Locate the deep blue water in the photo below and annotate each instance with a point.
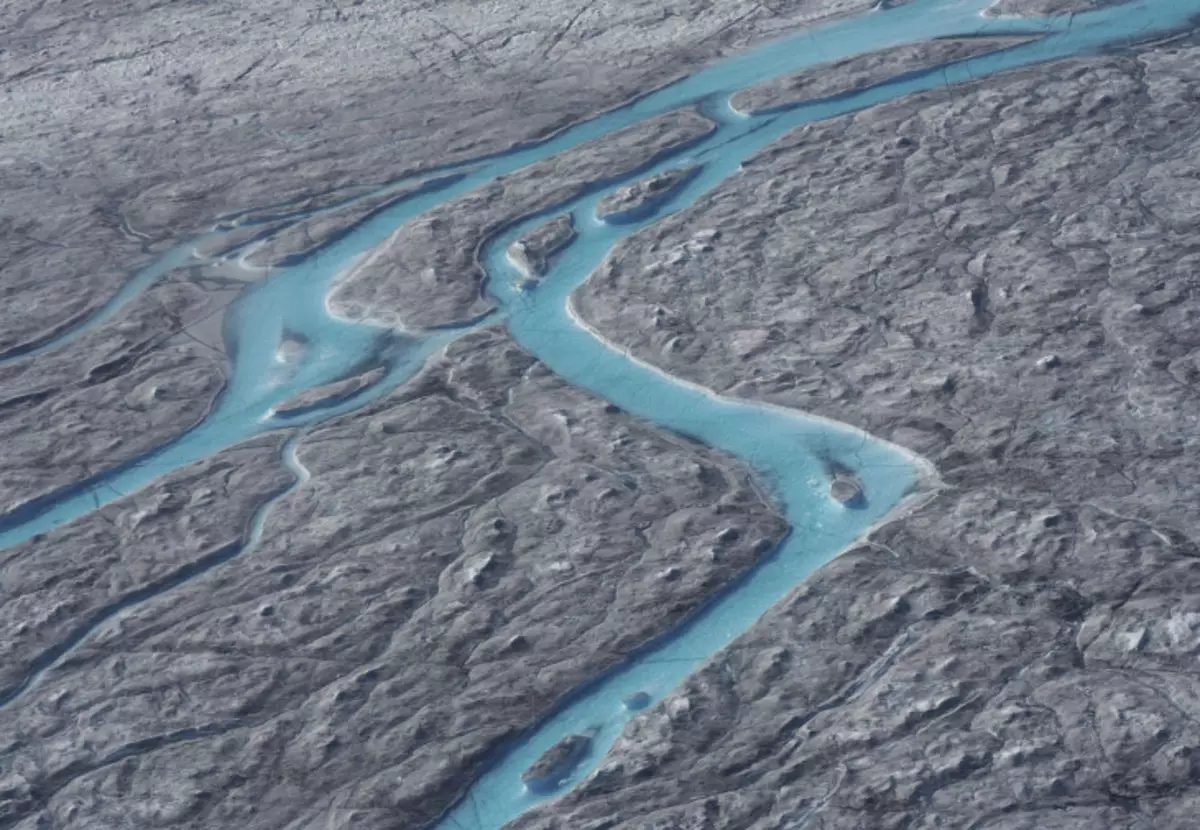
(785, 447)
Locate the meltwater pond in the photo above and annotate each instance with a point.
(786, 448)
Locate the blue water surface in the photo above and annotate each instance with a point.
(785, 447)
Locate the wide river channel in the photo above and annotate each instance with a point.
(785, 447)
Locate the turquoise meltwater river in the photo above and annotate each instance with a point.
(785, 447)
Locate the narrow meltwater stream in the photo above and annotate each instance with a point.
(63, 650)
(782, 445)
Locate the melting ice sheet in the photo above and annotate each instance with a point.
(782, 445)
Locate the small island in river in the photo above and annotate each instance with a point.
(533, 253)
(557, 763)
(641, 198)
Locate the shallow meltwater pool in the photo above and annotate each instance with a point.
(787, 449)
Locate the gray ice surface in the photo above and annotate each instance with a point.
(1000, 277)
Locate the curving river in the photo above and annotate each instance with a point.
(785, 447)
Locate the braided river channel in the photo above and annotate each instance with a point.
(785, 447)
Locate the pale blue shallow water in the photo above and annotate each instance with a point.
(783, 446)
